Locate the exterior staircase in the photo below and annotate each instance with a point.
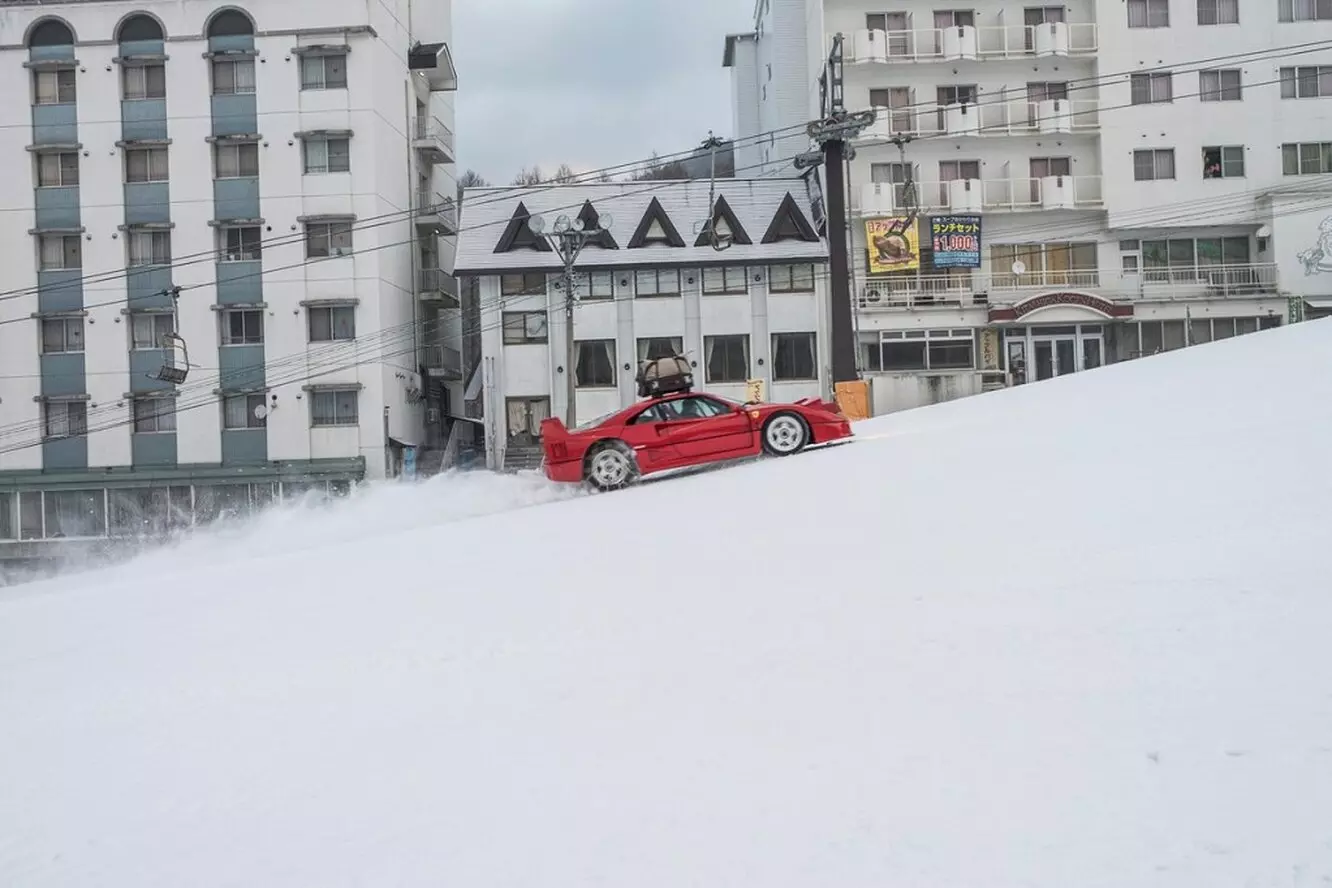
(518, 459)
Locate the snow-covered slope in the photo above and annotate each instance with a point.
(1071, 635)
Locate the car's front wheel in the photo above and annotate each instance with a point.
(610, 466)
(784, 434)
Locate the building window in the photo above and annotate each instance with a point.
(242, 326)
(1220, 85)
(327, 239)
(791, 278)
(337, 407)
(146, 165)
(726, 358)
(332, 323)
(1151, 89)
(1304, 11)
(729, 280)
(62, 335)
(233, 77)
(58, 252)
(1055, 264)
(65, 419)
(1190, 259)
(1149, 13)
(598, 285)
(236, 161)
(529, 283)
(60, 170)
(149, 329)
(927, 350)
(1218, 12)
(653, 347)
(524, 327)
(793, 357)
(1154, 163)
(1223, 162)
(143, 82)
(149, 248)
(1312, 82)
(238, 412)
(327, 155)
(324, 71)
(657, 282)
(152, 415)
(241, 244)
(595, 366)
(54, 87)
(1306, 158)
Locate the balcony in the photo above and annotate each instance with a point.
(433, 139)
(985, 195)
(435, 211)
(977, 289)
(970, 43)
(986, 118)
(443, 361)
(436, 285)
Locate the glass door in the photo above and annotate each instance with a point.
(1054, 356)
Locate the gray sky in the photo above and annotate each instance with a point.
(590, 83)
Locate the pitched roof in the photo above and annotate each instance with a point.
(756, 205)
(724, 221)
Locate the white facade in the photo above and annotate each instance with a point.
(1086, 136)
(755, 311)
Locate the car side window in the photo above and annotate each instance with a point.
(693, 407)
(647, 416)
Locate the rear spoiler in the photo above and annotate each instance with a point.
(820, 404)
(553, 429)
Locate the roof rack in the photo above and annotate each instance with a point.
(665, 376)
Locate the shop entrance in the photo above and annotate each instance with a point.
(1036, 353)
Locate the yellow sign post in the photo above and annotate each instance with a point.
(889, 252)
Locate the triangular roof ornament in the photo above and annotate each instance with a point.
(591, 219)
(721, 212)
(518, 236)
(789, 223)
(655, 228)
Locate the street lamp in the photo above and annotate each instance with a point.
(568, 238)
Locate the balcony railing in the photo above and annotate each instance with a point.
(970, 43)
(433, 136)
(978, 195)
(986, 117)
(963, 289)
(448, 361)
(433, 208)
(434, 283)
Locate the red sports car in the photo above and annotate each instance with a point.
(680, 429)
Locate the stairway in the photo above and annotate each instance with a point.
(518, 459)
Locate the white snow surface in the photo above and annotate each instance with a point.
(1074, 634)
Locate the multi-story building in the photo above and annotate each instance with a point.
(651, 284)
(1094, 180)
(254, 195)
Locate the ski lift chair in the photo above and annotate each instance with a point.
(665, 376)
(175, 360)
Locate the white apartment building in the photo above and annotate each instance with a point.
(1129, 177)
(272, 184)
(651, 285)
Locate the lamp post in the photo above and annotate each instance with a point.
(568, 237)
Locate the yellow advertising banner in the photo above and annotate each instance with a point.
(888, 251)
(754, 391)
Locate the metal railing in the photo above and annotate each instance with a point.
(432, 206)
(987, 116)
(443, 357)
(968, 42)
(435, 280)
(964, 289)
(976, 195)
(430, 128)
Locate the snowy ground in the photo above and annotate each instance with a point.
(1073, 634)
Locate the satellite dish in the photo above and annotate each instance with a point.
(604, 221)
(579, 224)
(260, 411)
(561, 224)
(1019, 267)
(537, 224)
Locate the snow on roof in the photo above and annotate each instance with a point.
(489, 213)
(1068, 635)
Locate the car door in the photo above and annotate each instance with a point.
(703, 428)
(647, 433)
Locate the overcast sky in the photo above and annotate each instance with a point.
(590, 83)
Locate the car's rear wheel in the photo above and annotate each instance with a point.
(784, 434)
(610, 466)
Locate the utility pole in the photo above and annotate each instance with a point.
(568, 238)
(831, 132)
